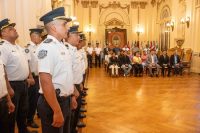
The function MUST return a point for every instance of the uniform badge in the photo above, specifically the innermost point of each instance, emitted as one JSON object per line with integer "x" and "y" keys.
{"x": 26, "y": 50}
{"x": 42, "y": 54}
{"x": 47, "y": 41}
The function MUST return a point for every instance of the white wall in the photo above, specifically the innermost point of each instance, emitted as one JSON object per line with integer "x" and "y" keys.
{"x": 25, "y": 13}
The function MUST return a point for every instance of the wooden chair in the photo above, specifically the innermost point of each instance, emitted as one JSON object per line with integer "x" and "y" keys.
{"x": 186, "y": 60}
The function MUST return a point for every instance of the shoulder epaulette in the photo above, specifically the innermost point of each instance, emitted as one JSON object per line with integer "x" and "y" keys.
{"x": 1, "y": 42}
{"x": 48, "y": 40}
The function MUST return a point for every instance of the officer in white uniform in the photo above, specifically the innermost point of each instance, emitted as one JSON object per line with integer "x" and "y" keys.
{"x": 77, "y": 67}
{"x": 55, "y": 74}
{"x": 81, "y": 48}
{"x": 6, "y": 105}
{"x": 90, "y": 50}
{"x": 17, "y": 69}
{"x": 97, "y": 55}
{"x": 35, "y": 35}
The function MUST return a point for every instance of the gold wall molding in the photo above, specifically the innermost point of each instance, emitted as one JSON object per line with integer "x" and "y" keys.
{"x": 114, "y": 22}
{"x": 114, "y": 5}
{"x": 141, "y": 4}
{"x": 87, "y": 3}
{"x": 153, "y": 2}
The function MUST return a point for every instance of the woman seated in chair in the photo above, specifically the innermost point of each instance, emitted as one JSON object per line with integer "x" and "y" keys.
{"x": 114, "y": 65}
{"x": 137, "y": 64}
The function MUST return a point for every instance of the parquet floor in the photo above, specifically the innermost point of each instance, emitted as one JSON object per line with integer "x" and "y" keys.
{"x": 143, "y": 104}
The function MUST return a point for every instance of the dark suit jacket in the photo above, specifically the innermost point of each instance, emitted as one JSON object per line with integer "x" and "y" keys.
{"x": 149, "y": 59}
{"x": 114, "y": 61}
{"x": 124, "y": 60}
{"x": 163, "y": 60}
{"x": 105, "y": 51}
{"x": 172, "y": 61}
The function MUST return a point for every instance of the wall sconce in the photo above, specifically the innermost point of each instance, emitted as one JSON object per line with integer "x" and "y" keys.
{"x": 76, "y": 23}
{"x": 89, "y": 29}
{"x": 170, "y": 24}
{"x": 139, "y": 29}
{"x": 186, "y": 20}
{"x": 73, "y": 18}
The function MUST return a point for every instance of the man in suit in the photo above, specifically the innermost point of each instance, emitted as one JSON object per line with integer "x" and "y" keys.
{"x": 164, "y": 62}
{"x": 175, "y": 62}
{"x": 125, "y": 63}
{"x": 152, "y": 62}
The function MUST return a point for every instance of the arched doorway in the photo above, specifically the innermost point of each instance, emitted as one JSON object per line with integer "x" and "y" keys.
{"x": 165, "y": 31}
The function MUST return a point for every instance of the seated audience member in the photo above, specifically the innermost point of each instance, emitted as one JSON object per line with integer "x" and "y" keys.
{"x": 144, "y": 58}
{"x": 125, "y": 48}
{"x": 137, "y": 64}
{"x": 152, "y": 62}
{"x": 114, "y": 64}
{"x": 125, "y": 63}
{"x": 164, "y": 62}
{"x": 107, "y": 58}
{"x": 175, "y": 62}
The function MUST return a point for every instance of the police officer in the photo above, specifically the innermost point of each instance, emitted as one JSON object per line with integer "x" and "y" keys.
{"x": 16, "y": 66}
{"x": 55, "y": 74}
{"x": 77, "y": 67}
{"x": 35, "y": 35}
{"x": 6, "y": 105}
{"x": 81, "y": 49}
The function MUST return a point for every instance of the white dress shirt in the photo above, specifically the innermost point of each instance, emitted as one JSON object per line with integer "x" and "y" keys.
{"x": 3, "y": 87}
{"x": 54, "y": 58}
{"x": 97, "y": 50}
{"x": 15, "y": 60}
{"x": 90, "y": 50}
{"x": 33, "y": 62}
{"x": 77, "y": 66}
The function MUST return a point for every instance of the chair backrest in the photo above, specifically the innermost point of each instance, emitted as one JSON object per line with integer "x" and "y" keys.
{"x": 187, "y": 55}
{"x": 170, "y": 51}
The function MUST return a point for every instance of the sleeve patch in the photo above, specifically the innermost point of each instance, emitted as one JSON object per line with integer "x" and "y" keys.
{"x": 42, "y": 54}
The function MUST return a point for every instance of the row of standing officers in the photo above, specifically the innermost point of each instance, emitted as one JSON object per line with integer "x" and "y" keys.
{"x": 56, "y": 68}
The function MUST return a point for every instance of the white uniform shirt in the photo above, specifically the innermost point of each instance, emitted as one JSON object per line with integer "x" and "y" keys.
{"x": 15, "y": 61}
{"x": 76, "y": 64}
{"x": 84, "y": 55}
{"x": 33, "y": 63}
{"x": 3, "y": 87}
{"x": 90, "y": 50}
{"x": 54, "y": 58}
{"x": 97, "y": 50}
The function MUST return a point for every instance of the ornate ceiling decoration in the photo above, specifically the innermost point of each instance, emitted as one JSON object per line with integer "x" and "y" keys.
{"x": 114, "y": 5}
{"x": 87, "y": 3}
{"x": 136, "y": 4}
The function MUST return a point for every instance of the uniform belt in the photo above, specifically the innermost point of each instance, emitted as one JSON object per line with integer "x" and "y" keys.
{"x": 20, "y": 81}
{"x": 60, "y": 98}
{"x": 3, "y": 98}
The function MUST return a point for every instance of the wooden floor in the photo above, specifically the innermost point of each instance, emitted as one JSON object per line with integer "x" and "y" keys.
{"x": 143, "y": 104}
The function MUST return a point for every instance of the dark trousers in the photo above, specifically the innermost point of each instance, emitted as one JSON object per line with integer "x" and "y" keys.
{"x": 138, "y": 68}
{"x": 178, "y": 69}
{"x": 163, "y": 69}
{"x": 20, "y": 101}
{"x": 89, "y": 57}
{"x": 76, "y": 112}
{"x": 46, "y": 115}
{"x": 97, "y": 60}
{"x": 4, "y": 128}
{"x": 33, "y": 95}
